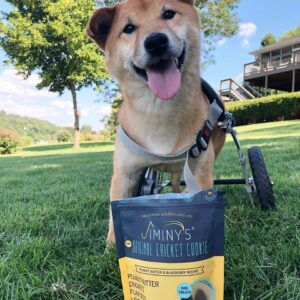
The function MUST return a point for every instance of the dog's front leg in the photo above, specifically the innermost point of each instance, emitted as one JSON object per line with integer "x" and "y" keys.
{"x": 128, "y": 170}
{"x": 202, "y": 168}
{"x": 123, "y": 185}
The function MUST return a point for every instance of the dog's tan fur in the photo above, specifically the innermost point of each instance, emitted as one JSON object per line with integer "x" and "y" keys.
{"x": 162, "y": 127}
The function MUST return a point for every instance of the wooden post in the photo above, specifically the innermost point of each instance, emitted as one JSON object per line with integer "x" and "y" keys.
{"x": 293, "y": 81}
{"x": 266, "y": 85}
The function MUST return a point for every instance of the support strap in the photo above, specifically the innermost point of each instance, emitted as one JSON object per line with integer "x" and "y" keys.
{"x": 203, "y": 137}
{"x": 202, "y": 141}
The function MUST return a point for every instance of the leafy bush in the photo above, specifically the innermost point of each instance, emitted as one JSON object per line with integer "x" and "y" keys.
{"x": 105, "y": 136}
{"x": 26, "y": 141}
{"x": 290, "y": 34}
{"x": 8, "y": 141}
{"x": 267, "y": 109}
{"x": 63, "y": 136}
{"x": 267, "y": 40}
{"x": 88, "y": 137}
{"x": 87, "y": 134}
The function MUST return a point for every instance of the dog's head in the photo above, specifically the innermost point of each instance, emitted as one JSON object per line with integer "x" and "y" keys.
{"x": 148, "y": 42}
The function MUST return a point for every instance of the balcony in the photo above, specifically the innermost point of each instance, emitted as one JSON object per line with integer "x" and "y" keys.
{"x": 276, "y": 64}
{"x": 231, "y": 90}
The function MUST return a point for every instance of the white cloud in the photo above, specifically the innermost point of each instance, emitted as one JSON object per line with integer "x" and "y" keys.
{"x": 21, "y": 97}
{"x": 246, "y": 30}
{"x": 25, "y": 109}
{"x": 62, "y": 104}
{"x": 66, "y": 108}
{"x": 101, "y": 110}
{"x": 245, "y": 43}
{"x": 221, "y": 42}
{"x": 15, "y": 86}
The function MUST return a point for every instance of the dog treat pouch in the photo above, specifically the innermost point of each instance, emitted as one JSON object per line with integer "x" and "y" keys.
{"x": 171, "y": 246}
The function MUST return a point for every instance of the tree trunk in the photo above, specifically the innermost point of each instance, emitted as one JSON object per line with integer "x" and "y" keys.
{"x": 77, "y": 117}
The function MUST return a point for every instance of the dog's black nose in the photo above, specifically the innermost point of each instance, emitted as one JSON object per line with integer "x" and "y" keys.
{"x": 156, "y": 43}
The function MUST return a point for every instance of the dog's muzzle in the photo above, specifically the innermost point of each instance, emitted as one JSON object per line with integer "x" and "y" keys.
{"x": 163, "y": 69}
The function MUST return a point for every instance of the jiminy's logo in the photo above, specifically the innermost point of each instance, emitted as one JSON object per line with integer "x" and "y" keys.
{"x": 171, "y": 231}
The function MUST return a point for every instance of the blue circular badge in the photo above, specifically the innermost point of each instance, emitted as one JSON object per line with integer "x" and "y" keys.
{"x": 184, "y": 290}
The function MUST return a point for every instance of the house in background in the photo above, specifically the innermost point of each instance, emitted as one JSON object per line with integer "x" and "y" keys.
{"x": 275, "y": 67}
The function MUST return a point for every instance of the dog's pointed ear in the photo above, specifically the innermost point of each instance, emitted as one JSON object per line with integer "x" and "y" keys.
{"x": 100, "y": 24}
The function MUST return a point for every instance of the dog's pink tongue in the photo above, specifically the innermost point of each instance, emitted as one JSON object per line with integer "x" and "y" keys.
{"x": 165, "y": 84}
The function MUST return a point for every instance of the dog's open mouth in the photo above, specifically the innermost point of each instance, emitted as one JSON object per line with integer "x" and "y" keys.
{"x": 163, "y": 76}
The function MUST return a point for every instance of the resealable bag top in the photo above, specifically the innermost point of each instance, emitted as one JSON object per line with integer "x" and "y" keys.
{"x": 171, "y": 246}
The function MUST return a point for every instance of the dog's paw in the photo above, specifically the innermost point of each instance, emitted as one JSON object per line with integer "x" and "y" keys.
{"x": 109, "y": 246}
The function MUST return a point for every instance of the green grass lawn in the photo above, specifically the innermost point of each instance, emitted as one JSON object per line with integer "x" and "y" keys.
{"x": 54, "y": 210}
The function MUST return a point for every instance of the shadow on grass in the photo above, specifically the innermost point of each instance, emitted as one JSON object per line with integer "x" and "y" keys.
{"x": 67, "y": 146}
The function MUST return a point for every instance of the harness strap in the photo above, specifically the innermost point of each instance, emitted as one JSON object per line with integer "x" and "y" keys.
{"x": 214, "y": 113}
{"x": 203, "y": 138}
{"x": 140, "y": 151}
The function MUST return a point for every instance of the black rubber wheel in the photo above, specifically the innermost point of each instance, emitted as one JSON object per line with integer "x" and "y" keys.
{"x": 261, "y": 178}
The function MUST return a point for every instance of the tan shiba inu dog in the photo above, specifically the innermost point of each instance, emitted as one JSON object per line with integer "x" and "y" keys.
{"x": 152, "y": 50}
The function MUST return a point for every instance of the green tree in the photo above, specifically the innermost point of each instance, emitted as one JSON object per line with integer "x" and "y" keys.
{"x": 290, "y": 34}
{"x": 111, "y": 121}
{"x": 267, "y": 40}
{"x": 48, "y": 37}
{"x": 219, "y": 20}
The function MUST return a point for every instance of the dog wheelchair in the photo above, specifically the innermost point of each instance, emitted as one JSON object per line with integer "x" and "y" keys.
{"x": 259, "y": 183}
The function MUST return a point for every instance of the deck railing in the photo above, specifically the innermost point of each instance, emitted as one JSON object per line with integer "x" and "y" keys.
{"x": 232, "y": 89}
{"x": 272, "y": 63}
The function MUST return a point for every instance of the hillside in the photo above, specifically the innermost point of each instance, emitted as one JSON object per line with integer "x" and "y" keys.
{"x": 25, "y": 126}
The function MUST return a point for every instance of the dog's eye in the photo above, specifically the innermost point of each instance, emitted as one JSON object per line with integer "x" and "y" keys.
{"x": 129, "y": 28}
{"x": 168, "y": 14}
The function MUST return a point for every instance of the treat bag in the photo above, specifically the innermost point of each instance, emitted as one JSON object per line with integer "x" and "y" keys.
{"x": 171, "y": 246}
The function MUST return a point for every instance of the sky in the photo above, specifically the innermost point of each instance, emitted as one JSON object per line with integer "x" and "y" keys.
{"x": 256, "y": 19}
